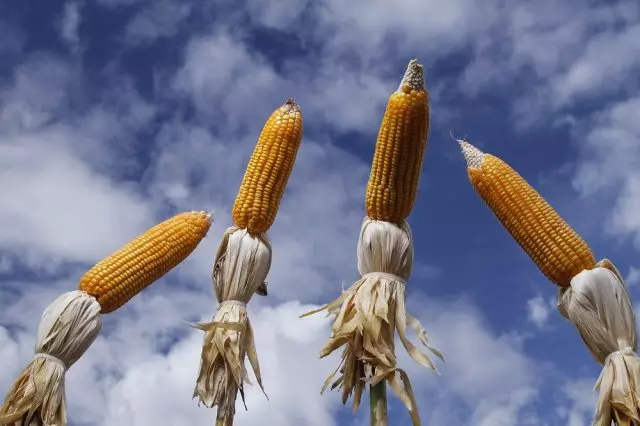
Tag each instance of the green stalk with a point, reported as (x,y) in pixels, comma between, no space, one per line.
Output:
(378,404)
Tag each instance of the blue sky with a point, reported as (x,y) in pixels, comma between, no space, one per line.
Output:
(115,114)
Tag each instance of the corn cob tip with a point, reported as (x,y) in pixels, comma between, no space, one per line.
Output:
(208,214)
(413,76)
(472,155)
(290,105)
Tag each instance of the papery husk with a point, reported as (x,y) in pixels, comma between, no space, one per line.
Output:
(68,327)
(598,303)
(369,313)
(241,267)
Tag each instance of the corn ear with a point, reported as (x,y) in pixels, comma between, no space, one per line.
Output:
(116,279)
(554,246)
(400,148)
(269,168)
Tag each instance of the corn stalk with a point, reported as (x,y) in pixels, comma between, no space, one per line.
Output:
(378,404)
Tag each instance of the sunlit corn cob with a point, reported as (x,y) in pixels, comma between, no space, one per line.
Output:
(402,140)
(558,250)
(117,278)
(268,170)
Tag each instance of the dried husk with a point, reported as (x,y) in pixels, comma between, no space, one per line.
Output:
(369,313)
(598,303)
(241,267)
(68,327)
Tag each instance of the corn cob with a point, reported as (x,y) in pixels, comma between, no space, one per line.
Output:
(554,246)
(400,148)
(117,278)
(268,170)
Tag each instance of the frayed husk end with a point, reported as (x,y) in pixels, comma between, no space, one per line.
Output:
(37,396)
(68,327)
(618,390)
(228,340)
(241,266)
(369,313)
(598,304)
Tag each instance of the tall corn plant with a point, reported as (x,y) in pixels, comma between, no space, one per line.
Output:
(593,296)
(242,263)
(72,322)
(368,315)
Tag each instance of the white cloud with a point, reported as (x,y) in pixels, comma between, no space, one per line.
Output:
(224,79)
(564,52)
(371,30)
(539,309)
(487,378)
(633,277)
(582,400)
(62,204)
(332,94)
(607,61)
(339,95)
(159,389)
(40,90)
(610,162)
(58,207)
(281,15)
(13,351)
(160,19)
(70,24)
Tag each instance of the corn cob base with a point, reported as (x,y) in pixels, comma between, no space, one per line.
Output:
(68,327)
(369,313)
(241,267)
(598,304)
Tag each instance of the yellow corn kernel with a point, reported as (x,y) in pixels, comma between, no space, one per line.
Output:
(400,148)
(116,279)
(268,170)
(554,246)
